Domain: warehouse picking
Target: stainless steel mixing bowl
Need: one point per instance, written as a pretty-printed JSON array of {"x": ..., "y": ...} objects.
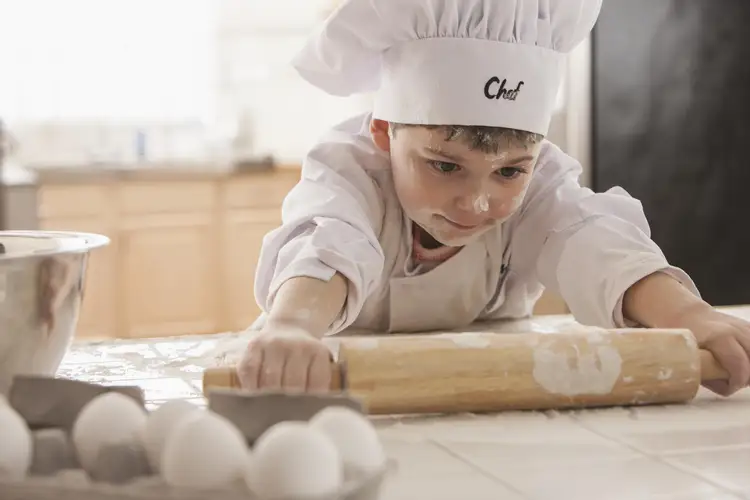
[{"x": 42, "y": 276}]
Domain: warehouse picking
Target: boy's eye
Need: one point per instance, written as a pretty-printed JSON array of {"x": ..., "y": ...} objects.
[
  {"x": 510, "y": 172},
  {"x": 444, "y": 167}
]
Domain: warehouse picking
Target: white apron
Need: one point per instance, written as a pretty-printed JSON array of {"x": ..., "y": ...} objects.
[{"x": 452, "y": 295}]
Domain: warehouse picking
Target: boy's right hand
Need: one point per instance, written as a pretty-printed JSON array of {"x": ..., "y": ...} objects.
[{"x": 285, "y": 358}]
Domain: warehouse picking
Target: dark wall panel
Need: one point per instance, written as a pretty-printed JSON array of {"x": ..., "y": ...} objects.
[{"x": 671, "y": 125}]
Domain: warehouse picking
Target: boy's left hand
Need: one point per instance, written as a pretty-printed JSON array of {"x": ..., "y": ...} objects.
[{"x": 728, "y": 339}]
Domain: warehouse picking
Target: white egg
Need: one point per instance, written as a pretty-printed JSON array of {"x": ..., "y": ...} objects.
[
  {"x": 293, "y": 460},
  {"x": 354, "y": 436},
  {"x": 16, "y": 444},
  {"x": 204, "y": 451},
  {"x": 110, "y": 418},
  {"x": 159, "y": 424}
]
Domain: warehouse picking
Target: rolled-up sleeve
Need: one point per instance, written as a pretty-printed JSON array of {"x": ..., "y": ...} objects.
[
  {"x": 330, "y": 223},
  {"x": 592, "y": 247}
]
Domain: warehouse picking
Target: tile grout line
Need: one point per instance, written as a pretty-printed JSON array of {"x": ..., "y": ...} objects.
[
  {"x": 659, "y": 459},
  {"x": 481, "y": 470},
  {"x": 696, "y": 473},
  {"x": 702, "y": 449}
]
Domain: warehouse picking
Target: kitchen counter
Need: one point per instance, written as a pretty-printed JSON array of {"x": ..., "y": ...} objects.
[{"x": 680, "y": 452}]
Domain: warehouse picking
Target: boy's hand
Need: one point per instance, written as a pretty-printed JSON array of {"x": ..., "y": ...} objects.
[
  {"x": 285, "y": 358},
  {"x": 728, "y": 339}
]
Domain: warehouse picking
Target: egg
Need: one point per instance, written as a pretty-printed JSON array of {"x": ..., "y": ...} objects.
[
  {"x": 205, "y": 451},
  {"x": 294, "y": 460},
  {"x": 16, "y": 444},
  {"x": 159, "y": 424},
  {"x": 354, "y": 436},
  {"x": 108, "y": 419}
]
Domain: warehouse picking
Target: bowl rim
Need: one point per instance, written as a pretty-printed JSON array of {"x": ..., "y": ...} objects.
[{"x": 75, "y": 242}]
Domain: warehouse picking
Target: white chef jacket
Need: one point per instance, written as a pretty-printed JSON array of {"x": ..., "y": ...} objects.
[{"x": 343, "y": 216}]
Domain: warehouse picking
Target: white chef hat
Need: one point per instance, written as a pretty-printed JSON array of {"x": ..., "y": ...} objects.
[{"x": 496, "y": 63}]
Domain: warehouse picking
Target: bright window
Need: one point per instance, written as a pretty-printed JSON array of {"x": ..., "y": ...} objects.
[{"x": 114, "y": 59}]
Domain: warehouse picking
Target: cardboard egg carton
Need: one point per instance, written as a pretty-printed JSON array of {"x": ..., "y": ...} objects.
[{"x": 50, "y": 407}]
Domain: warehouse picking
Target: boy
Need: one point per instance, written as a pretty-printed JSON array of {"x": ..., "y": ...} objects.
[{"x": 445, "y": 205}]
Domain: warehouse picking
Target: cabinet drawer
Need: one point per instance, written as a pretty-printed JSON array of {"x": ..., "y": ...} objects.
[
  {"x": 161, "y": 197},
  {"x": 63, "y": 201}
]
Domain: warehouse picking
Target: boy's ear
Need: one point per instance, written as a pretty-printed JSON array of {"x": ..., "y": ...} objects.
[{"x": 379, "y": 130}]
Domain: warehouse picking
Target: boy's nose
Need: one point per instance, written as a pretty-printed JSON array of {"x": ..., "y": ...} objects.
[{"x": 478, "y": 203}]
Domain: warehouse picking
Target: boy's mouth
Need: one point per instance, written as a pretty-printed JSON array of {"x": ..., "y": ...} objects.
[{"x": 461, "y": 227}]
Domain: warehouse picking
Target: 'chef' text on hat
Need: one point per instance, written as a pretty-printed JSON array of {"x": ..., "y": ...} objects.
[{"x": 495, "y": 63}]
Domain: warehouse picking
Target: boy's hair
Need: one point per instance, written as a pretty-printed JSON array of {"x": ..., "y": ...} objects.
[{"x": 490, "y": 140}]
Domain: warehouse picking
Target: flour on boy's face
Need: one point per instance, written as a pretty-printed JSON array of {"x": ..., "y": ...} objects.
[{"x": 454, "y": 187}]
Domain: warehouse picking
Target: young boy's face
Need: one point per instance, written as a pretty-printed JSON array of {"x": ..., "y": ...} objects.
[{"x": 453, "y": 191}]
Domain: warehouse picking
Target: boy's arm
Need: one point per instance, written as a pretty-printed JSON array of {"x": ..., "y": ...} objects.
[
  {"x": 589, "y": 248},
  {"x": 330, "y": 223},
  {"x": 660, "y": 301},
  {"x": 317, "y": 269},
  {"x": 308, "y": 304},
  {"x": 287, "y": 352}
]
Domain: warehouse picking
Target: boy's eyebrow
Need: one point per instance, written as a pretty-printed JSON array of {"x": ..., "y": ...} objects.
[
  {"x": 458, "y": 159},
  {"x": 440, "y": 152},
  {"x": 520, "y": 159}
]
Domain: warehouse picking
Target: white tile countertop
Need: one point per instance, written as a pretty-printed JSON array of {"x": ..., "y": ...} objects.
[{"x": 683, "y": 452}]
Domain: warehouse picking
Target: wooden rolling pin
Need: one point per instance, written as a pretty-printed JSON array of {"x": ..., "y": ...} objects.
[{"x": 488, "y": 372}]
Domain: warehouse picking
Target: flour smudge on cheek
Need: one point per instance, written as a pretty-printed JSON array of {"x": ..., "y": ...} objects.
[{"x": 512, "y": 205}]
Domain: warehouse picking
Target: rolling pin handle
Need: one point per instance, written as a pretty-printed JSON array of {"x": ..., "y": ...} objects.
[
  {"x": 710, "y": 368},
  {"x": 220, "y": 377},
  {"x": 226, "y": 376}
]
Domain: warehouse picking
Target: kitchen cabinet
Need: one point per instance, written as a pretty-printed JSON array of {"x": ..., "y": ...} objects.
[
  {"x": 183, "y": 250},
  {"x": 184, "y": 247}
]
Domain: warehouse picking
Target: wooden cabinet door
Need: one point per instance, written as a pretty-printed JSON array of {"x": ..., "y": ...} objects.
[
  {"x": 168, "y": 275},
  {"x": 244, "y": 230}
]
